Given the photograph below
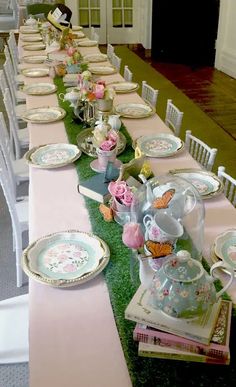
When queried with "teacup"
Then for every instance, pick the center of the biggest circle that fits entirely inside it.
(72, 97)
(162, 227)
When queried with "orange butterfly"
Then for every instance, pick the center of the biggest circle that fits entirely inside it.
(106, 212)
(158, 249)
(163, 201)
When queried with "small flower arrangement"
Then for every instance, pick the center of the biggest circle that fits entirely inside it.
(103, 92)
(103, 139)
(121, 192)
(75, 60)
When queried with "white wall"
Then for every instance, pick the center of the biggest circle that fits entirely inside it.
(72, 4)
(145, 23)
(226, 43)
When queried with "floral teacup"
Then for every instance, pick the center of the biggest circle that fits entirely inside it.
(162, 228)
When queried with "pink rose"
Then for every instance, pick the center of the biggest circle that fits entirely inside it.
(117, 188)
(113, 136)
(71, 51)
(99, 91)
(132, 235)
(107, 145)
(127, 198)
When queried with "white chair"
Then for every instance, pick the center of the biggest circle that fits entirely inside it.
(14, 330)
(200, 151)
(17, 95)
(128, 75)
(13, 49)
(149, 94)
(19, 109)
(19, 78)
(110, 51)
(115, 61)
(19, 137)
(18, 169)
(94, 35)
(229, 185)
(19, 217)
(173, 117)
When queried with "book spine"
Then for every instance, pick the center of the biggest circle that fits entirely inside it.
(146, 321)
(184, 357)
(159, 338)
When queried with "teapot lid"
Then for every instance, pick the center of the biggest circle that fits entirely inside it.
(182, 268)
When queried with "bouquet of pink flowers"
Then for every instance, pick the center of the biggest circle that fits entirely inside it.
(121, 192)
(104, 140)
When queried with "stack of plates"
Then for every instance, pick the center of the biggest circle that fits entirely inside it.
(224, 249)
(65, 259)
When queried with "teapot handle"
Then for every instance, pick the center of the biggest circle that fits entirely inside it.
(231, 273)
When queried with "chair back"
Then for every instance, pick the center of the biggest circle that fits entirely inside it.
(173, 117)
(94, 35)
(128, 75)
(110, 51)
(3, 82)
(6, 149)
(12, 63)
(13, 48)
(116, 61)
(149, 94)
(200, 151)
(14, 127)
(10, 79)
(229, 185)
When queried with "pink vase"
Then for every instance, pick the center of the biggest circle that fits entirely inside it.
(105, 156)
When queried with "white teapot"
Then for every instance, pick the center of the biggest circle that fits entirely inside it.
(72, 97)
(114, 121)
(30, 21)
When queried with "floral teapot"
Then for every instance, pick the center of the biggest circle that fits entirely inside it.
(30, 21)
(181, 287)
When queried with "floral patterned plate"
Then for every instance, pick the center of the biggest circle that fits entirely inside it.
(65, 259)
(35, 72)
(44, 115)
(40, 88)
(225, 247)
(124, 87)
(102, 70)
(84, 142)
(52, 155)
(134, 110)
(34, 58)
(31, 38)
(95, 58)
(160, 145)
(34, 47)
(206, 183)
(87, 43)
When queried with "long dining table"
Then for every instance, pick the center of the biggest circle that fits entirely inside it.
(73, 337)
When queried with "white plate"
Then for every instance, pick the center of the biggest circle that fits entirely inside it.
(206, 183)
(160, 145)
(102, 70)
(225, 247)
(134, 110)
(34, 47)
(40, 89)
(65, 259)
(44, 115)
(35, 72)
(31, 38)
(28, 30)
(95, 58)
(87, 43)
(34, 58)
(52, 155)
(78, 34)
(77, 28)
(124, 87)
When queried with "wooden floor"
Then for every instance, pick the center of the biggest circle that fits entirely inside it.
(212, 90)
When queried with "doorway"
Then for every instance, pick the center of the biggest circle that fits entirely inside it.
(185, 31)
(115, 21)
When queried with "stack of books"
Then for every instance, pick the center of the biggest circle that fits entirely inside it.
(205, 339)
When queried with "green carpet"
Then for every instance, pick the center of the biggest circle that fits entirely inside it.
(194, 118)
(143, 371)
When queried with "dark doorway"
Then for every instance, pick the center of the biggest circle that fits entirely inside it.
(185, 31)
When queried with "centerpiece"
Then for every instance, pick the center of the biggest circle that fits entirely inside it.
(74, 61)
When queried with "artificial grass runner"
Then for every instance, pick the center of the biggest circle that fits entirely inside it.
(143, 371)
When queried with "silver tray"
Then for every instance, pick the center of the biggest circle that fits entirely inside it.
(84, 142)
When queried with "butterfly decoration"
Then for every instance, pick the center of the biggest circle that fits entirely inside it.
(106, 212)
(164, 200)
(158, 249)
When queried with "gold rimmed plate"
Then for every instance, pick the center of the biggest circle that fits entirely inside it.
(134, 110)
(85, 143)
(84, 256)
(40, 89)
(207, 183)
(44, 115)
(34, 59)
(124, 87)
(31, 38)
(95, 58)
(34, 47)
(159, 145)
(52, 155)
(102, 70)
(35, 72)
(87, 43)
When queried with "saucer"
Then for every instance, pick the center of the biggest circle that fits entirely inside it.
(95, 165)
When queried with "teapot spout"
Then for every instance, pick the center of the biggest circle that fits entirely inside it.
(146, 273)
